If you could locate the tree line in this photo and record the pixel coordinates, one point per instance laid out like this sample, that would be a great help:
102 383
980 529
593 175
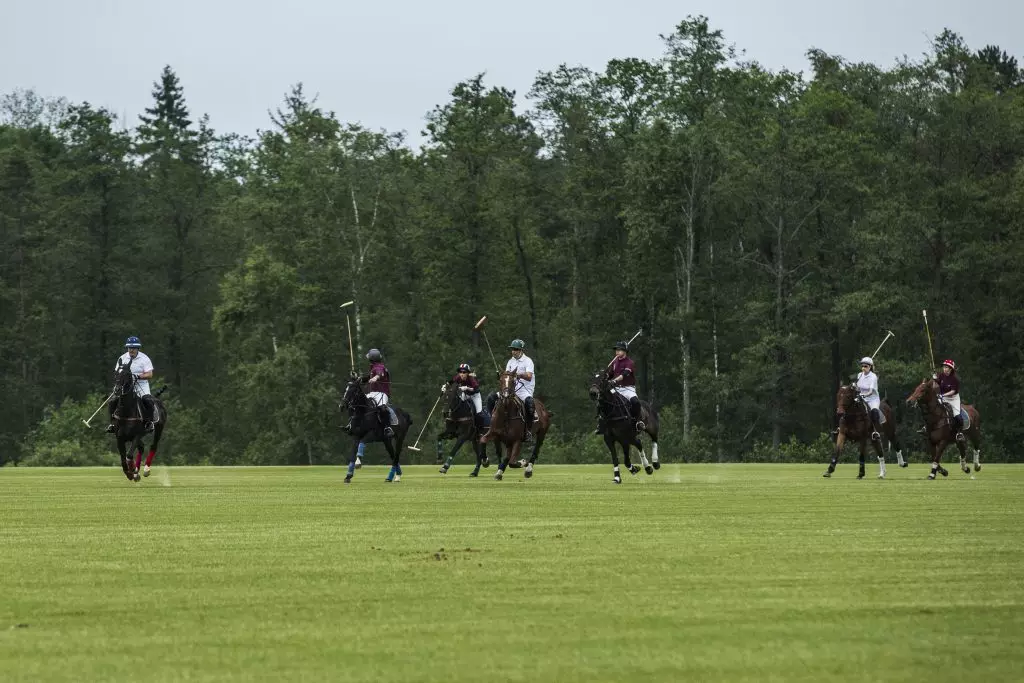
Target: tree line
763 228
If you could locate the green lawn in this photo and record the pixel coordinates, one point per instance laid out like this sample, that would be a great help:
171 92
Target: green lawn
701 572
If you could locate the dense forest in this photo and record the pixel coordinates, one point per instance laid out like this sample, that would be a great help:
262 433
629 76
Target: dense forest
764 229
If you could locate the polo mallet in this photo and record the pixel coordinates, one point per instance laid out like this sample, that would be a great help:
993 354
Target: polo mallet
348 325
638 333
887 336
415 446
928 333
103 405
479 326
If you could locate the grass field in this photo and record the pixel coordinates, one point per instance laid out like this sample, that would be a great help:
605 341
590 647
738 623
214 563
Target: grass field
701 572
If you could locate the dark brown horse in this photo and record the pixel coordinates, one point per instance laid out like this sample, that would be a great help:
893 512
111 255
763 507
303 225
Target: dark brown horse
508 425
619 427
855 425
939 431
129 417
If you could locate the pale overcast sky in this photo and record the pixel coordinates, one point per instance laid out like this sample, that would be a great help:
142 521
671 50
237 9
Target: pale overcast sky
385 63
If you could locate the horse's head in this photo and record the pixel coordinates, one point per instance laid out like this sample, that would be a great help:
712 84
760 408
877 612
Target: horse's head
926 392
451 397
845 398
598 385
124 380
354 396
506 384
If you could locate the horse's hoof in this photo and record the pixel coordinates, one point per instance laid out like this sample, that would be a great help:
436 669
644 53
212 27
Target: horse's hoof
616 479
443 470
498 475
136 477
828 474
528 472
881 476
943 471
649 470
904 464
398 478
634 468
656 464
359 464
145 472
977 467
931 475
860 475
486 462
965 469
474 473
387 480
348 478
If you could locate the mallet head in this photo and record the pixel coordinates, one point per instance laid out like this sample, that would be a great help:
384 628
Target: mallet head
480 322
346 304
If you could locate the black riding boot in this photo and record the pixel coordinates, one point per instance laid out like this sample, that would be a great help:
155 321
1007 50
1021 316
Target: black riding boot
957 426
876 419
528 436
636 411
148 413
384 415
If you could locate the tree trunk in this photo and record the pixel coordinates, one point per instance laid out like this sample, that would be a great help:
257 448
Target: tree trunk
520 247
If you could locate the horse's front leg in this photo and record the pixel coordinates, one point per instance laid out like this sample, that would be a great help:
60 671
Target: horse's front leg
937 468
122 449
609 442
877 445
451 455
627 461
648 468
863 455
353 457
837 450
395 474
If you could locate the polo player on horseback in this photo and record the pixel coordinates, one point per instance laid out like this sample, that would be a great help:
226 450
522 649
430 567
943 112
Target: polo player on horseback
378 390
867 385
466 383
521 366
621 374
142 369
949 394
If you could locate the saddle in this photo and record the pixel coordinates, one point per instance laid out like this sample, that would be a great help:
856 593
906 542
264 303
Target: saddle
965 418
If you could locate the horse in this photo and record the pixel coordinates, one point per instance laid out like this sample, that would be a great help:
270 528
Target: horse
855 425
460 423
508 425
128 415
619 428
939 432
368 425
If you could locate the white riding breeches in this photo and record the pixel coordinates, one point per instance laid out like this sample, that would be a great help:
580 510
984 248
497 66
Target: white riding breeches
953 402
625 392
478 403
874 403
523 392
379 398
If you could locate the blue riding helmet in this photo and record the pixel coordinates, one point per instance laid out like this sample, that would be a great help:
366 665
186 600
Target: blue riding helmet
464 367
133 343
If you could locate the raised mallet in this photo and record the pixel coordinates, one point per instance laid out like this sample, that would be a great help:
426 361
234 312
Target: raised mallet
348 325
887 336
638 332
102 405
928 332
479 326
415 446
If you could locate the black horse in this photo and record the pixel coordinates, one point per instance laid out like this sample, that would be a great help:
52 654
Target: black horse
369 423
129 418
620 427
461 424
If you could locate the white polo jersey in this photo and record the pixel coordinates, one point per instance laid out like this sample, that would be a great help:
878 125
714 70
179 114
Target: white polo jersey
141 363
524 387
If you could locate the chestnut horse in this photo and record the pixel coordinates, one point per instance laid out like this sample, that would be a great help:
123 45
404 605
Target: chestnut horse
855 425
508 425
939 432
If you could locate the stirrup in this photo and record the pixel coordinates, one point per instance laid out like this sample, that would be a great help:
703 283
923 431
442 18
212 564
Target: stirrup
875 436
111 428
960 436
640 426
388 431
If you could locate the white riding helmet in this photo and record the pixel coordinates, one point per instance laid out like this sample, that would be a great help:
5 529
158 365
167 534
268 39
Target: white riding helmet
866 360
